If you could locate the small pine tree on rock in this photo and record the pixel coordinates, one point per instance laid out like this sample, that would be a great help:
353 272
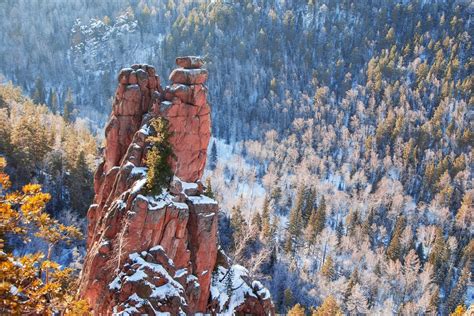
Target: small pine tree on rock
208 192
159 171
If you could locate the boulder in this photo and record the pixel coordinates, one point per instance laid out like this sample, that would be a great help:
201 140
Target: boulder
188 76
189 62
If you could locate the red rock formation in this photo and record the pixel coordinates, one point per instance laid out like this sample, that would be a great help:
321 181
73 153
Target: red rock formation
149 254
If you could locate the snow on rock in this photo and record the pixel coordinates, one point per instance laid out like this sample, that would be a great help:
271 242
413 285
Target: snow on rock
231 290
202 199
148 285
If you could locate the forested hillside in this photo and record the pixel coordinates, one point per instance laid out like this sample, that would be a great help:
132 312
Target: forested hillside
369 197
41 147
343 132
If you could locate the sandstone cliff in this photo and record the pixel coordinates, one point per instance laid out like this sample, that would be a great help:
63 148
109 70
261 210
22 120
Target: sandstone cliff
149 254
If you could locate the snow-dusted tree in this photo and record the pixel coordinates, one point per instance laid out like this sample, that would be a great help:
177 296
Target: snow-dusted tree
357 302
328 307
213 156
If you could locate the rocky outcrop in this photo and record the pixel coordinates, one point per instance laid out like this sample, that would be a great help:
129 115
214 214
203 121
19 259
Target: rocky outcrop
149 254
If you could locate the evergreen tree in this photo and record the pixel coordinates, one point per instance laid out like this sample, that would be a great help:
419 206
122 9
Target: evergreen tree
208 192
328 270
317 222
357 302
308 205
68 106
394 249
80 185
320 220
457 295
256 222
339 232
213 156
288 297
297 310
329 307
353 220
157 160
53 101
238 223
439 256
465 214
434 302
266 224
295 224
229 282
39 93
352 282
367 226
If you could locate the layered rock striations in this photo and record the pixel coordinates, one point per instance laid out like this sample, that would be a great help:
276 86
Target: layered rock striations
151 254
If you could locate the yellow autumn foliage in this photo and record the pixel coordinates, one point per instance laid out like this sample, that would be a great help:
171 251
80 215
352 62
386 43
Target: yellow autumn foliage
33 283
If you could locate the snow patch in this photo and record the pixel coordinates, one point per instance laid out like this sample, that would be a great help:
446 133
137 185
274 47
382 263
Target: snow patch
202 199
230 288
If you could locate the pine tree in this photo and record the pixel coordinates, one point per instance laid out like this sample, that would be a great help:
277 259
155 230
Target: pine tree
288 297
456 297
394 249
229 282
39 93
434 302
80 185
68 106
53 101
329 307
295 224
339 232
157 160
352 282
353 221
213 156
311 231
297 310
256 222
328 270
208 192
308 205
238 223
266 224
357 302
465 214
320 222
439 256
367 226
317 222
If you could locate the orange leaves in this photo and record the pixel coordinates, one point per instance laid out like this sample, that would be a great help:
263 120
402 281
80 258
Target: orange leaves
34 284
31 189
4 178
